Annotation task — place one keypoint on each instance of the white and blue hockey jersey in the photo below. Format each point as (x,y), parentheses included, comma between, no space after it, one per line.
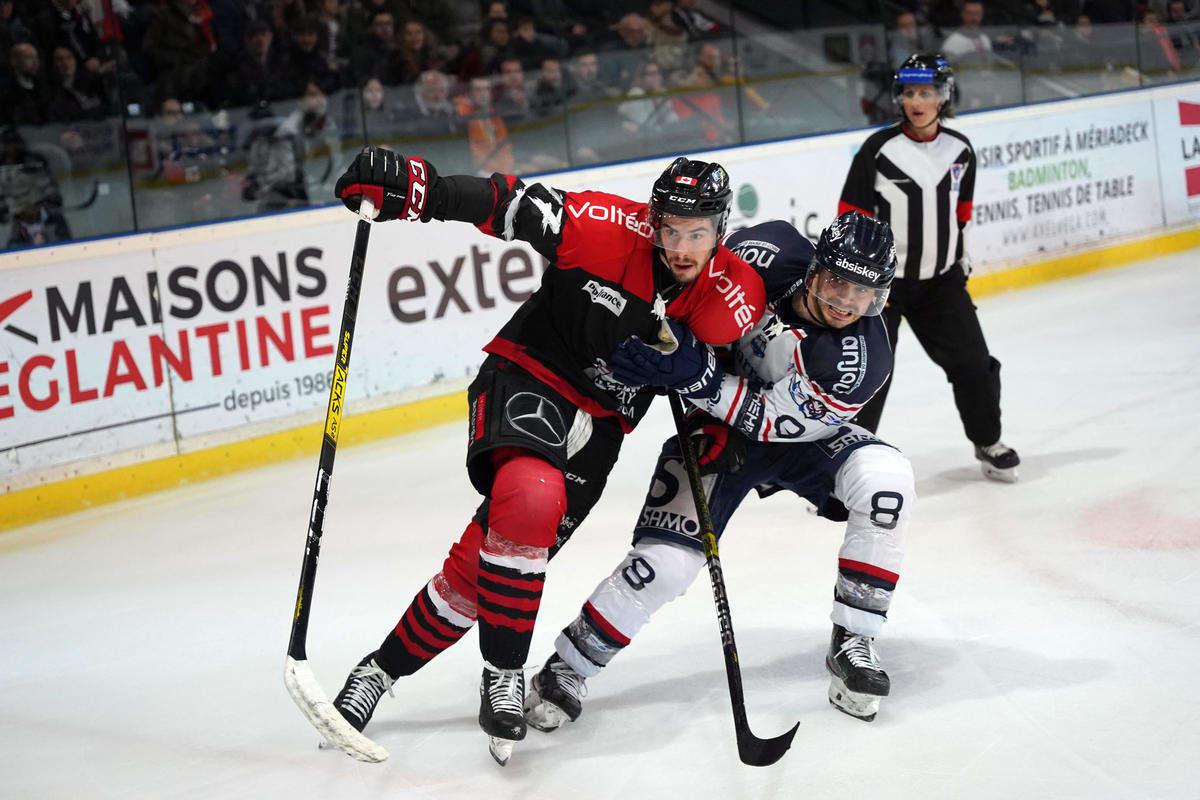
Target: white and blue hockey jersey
(800,382)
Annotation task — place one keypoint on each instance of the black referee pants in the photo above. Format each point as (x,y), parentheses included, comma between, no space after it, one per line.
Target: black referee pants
(943,318)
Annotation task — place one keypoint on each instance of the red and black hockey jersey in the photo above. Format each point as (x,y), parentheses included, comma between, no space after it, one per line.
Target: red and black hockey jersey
(605,284)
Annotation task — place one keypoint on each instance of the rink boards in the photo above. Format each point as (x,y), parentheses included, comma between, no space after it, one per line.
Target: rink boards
(133,363)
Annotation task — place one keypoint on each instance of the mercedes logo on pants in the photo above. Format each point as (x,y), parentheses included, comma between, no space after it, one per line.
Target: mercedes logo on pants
(536,416)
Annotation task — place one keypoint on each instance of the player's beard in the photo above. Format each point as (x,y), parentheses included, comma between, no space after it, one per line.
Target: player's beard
(685,269)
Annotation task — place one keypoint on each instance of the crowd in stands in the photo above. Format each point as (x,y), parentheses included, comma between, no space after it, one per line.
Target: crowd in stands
(267,94)
(1052,35)
(296,77)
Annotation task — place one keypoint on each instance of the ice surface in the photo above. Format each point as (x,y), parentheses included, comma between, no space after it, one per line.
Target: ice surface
(1043,640)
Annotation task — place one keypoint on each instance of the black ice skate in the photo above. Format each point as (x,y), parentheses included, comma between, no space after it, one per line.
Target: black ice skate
(858,679)
(364,687)
(998,461)
(501,697)
(555,696)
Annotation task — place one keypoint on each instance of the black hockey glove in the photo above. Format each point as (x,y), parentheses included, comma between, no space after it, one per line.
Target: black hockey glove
(398,186)
(689,367)
(721,449)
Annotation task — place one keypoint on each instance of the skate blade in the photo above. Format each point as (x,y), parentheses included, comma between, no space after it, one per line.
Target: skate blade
(545,717)
(997,474)
(501,749)
(856,704)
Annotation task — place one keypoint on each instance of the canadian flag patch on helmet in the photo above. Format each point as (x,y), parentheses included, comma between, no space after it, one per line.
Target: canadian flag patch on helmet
(685,180)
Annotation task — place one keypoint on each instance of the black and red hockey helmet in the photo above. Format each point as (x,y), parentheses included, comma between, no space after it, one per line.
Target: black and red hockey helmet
(690,188)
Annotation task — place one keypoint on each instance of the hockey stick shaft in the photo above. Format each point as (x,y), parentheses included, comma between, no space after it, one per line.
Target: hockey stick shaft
(329,438)
(751,749)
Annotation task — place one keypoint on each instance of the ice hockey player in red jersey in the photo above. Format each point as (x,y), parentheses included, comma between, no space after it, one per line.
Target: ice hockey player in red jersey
(546,416)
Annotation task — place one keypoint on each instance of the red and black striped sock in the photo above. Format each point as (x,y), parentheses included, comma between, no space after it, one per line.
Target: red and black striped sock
(510,591)
(430,625)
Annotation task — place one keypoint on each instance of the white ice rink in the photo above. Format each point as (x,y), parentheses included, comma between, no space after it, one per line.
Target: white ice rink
(1042,644)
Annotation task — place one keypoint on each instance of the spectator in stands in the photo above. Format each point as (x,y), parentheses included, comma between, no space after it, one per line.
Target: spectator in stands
(435,15)
(1039,13)
(305,61)
(487,135)
(74,96)
(651,112)
(497,46)
(372,116)
(261,71)
(667,39)
(511,99)
(182,146)
(585,74)
(907,38)
(1184,36)
(553,90)
(706,109)
(627,46)
(495,10)
(533,47)
(471,54)
(968,44)
(330,17)
(430,111)
(290,160)
(569,20)
(64,23)
(414,55)
(29,195)
(372,56)
(360,14)
(1156,52)
(26,95)
(694,22)
(178,45)
(274,164)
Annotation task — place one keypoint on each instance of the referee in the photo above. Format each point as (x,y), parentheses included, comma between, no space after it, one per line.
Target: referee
(919,176)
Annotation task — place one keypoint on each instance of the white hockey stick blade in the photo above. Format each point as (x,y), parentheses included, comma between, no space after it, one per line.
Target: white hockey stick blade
(312,701)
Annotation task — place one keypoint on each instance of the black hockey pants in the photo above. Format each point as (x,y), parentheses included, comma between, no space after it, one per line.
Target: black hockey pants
(943,318)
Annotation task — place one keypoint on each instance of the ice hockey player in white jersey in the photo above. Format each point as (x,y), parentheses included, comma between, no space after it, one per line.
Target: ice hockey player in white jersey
(777,418)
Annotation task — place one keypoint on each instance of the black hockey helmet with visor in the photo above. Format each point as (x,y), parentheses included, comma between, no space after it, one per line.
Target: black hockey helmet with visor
(926,69)
(779,253)
(694,190)
(854,265)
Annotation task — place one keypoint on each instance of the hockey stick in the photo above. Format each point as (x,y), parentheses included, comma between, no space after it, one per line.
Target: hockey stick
(752,750)
(301,684)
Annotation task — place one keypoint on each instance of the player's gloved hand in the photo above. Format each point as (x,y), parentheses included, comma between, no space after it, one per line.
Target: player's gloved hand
(720,448)
(398,186)
(689,367)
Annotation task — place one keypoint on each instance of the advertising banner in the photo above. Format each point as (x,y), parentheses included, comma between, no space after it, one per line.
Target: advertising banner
(1177,120)
(122,352)
(1057,179)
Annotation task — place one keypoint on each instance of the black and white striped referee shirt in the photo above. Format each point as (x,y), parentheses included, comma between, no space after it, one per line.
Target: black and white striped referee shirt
(922,189)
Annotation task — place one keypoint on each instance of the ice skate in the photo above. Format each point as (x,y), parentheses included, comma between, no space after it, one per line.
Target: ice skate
(998,461)
(555,696)
(501,697)
(858,680)
(364,687)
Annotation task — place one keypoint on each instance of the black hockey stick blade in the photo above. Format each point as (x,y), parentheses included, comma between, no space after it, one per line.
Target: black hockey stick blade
(763,752)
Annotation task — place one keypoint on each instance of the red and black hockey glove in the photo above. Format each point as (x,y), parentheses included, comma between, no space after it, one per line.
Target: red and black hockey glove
(398,186)
(720,448)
